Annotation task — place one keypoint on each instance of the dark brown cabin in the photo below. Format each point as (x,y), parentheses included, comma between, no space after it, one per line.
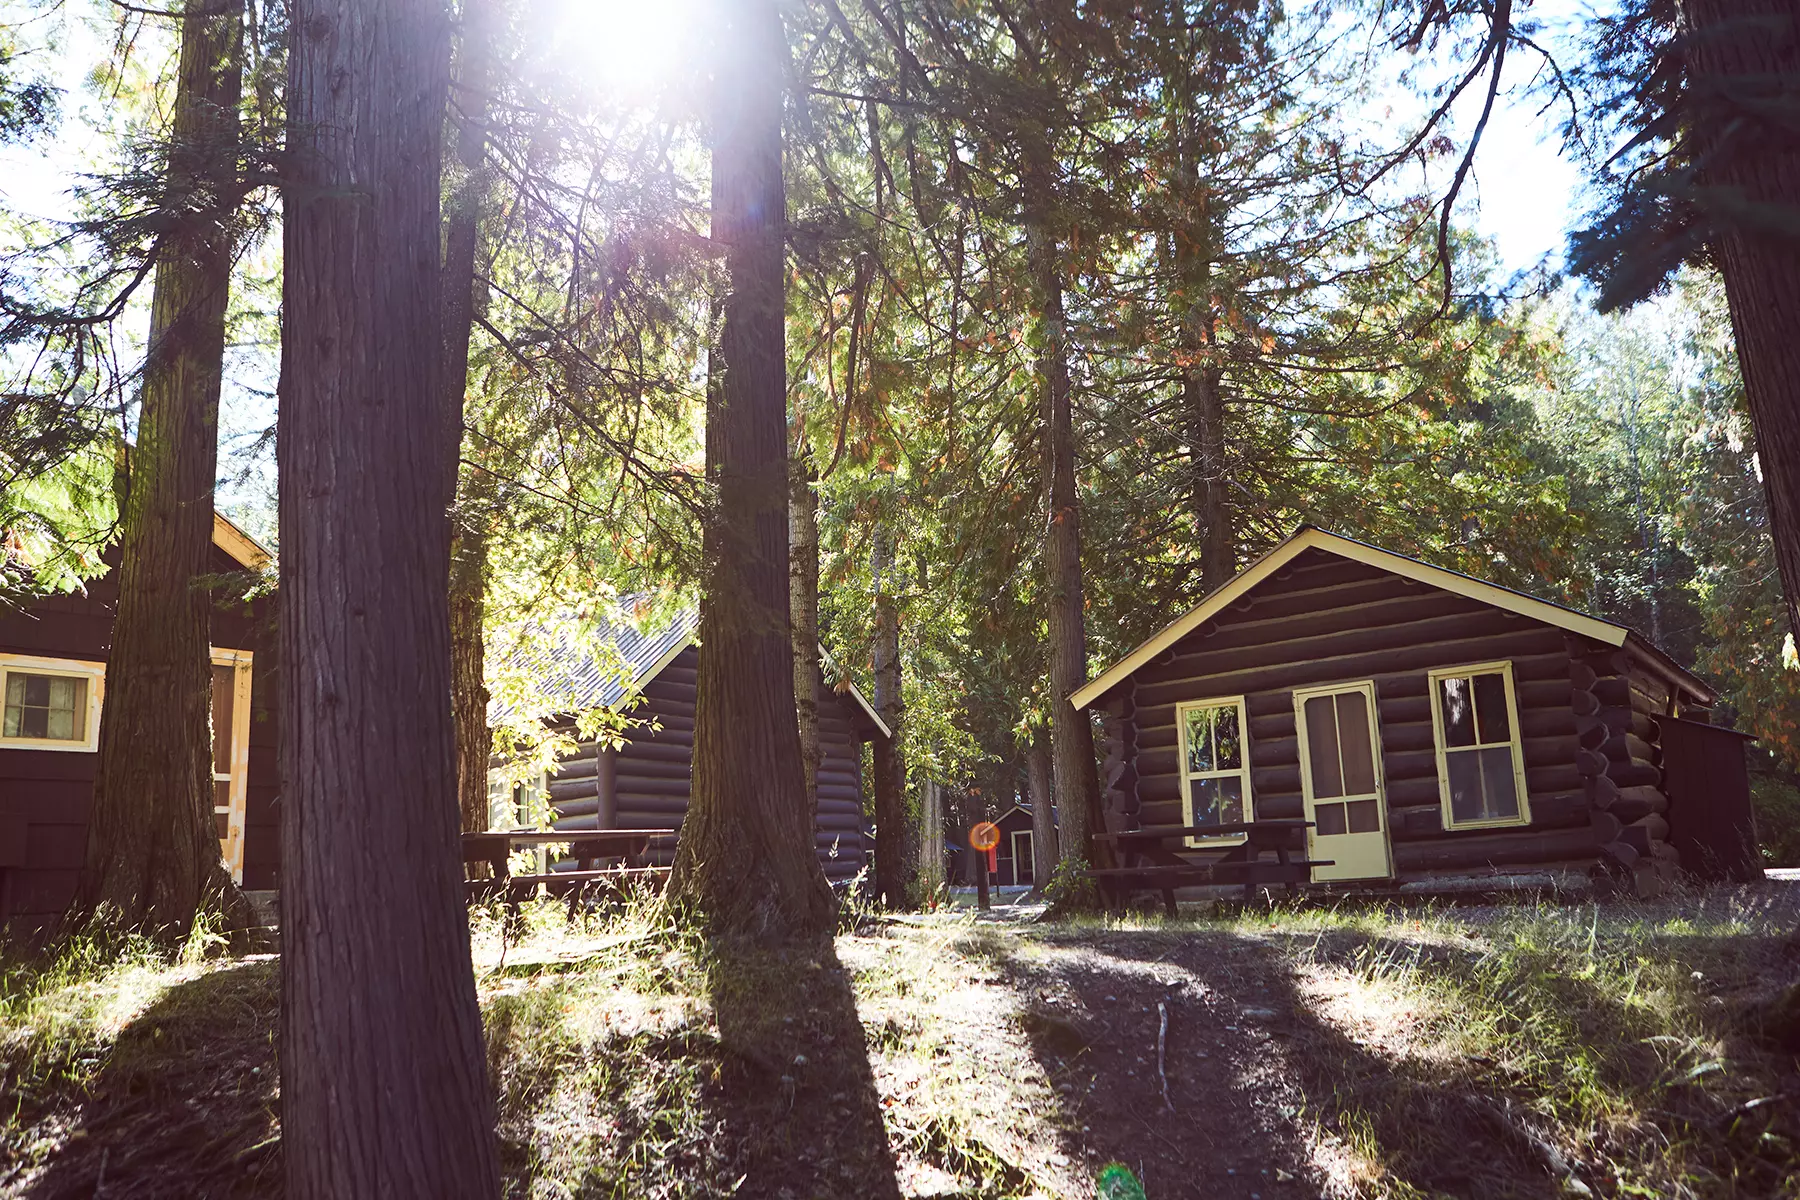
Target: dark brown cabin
(53,655)
(1429,724)
(646,783)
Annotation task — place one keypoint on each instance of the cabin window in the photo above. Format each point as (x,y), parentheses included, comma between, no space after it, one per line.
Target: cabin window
(1215,763)
(50,703)
(1481,770)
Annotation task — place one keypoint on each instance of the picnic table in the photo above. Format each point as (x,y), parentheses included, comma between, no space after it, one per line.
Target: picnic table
(587,846)
(1151,858)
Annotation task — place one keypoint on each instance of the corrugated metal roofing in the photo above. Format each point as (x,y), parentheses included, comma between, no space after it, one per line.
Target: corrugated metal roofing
(579,673)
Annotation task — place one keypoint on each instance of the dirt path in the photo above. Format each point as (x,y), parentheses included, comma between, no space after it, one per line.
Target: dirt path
(1055,1036)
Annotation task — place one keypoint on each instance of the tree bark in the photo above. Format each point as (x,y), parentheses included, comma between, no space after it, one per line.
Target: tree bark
(465,296)
(803,601)
(1202,372)
(1737,49)
(1076,784)
(153,854)
(894,866)
(383,1075)
(746,858)
(1044,852)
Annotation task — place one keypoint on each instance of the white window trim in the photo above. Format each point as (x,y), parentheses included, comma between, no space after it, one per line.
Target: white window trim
(232,848)
(1187,777)
(1505,670)
(94,672)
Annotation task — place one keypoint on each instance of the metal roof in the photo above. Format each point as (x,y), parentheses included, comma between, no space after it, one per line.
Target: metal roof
(576,679)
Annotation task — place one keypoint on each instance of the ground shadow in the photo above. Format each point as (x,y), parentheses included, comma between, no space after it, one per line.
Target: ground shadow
(796,1093)
(1248,1053)
(185,1105)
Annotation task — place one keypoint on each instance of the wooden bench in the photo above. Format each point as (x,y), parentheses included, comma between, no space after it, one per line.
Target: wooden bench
(1152,859)
(587,846)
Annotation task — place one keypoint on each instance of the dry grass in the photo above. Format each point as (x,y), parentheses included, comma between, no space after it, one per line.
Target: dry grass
(1481,1053)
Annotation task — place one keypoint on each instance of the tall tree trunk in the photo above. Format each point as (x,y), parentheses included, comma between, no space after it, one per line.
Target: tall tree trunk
(465,296)
(893,833)
(153,845)
(1044,852)
(383,1076)
(1750,50)
(746,857)
(931,838)
(1194,244)
(803,601)
(1077,787)
(1204,408)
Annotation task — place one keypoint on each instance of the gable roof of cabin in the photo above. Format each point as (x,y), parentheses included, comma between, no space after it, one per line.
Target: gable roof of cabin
(245,550)
(577,679)
(1308,537)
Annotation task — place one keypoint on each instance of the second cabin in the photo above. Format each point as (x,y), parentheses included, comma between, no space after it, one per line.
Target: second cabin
(645,784)
(1428,724)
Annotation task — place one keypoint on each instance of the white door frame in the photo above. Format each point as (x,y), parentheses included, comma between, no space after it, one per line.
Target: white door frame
(1029,849)
(1301,696)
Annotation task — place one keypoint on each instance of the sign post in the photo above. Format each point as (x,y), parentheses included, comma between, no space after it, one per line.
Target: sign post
(982,839)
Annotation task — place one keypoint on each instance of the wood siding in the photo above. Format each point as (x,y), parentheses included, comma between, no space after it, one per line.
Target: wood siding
(1322,620)
(651,775)
(53,789)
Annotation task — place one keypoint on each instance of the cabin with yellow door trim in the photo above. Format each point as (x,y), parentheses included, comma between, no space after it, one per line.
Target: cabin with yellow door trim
(1431,726)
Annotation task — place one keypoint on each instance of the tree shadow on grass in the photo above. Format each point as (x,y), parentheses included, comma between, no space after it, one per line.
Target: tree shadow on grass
(185,1105)
(796,1091)
(1252,1053)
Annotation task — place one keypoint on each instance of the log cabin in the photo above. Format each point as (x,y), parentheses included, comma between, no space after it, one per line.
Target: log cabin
(645,784)
(1433,727)
(53,656)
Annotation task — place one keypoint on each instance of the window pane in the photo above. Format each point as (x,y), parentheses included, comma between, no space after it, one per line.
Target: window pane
(1353,737)
(1322,748)
(1228,741)
(1455,705)
(1328,819)
(1490,706)
(224,683)
(1498,786)
(221,795)
(1199,739)
(1218,801)
(1465,787)
(53,707)
(1365,816)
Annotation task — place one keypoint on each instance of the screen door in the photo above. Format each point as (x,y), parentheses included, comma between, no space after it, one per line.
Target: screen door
(1340,769)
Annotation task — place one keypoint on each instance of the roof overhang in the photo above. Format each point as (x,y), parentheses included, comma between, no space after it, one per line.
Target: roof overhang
(693,639)
(245,550)
(1309,538)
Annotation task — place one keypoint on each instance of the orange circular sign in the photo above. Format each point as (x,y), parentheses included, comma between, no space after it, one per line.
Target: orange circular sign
(984,836)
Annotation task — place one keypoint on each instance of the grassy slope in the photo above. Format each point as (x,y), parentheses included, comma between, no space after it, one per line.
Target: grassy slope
(1611,1051)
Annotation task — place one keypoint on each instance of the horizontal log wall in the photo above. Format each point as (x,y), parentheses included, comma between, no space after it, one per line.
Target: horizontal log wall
(651,776)
(1326,620)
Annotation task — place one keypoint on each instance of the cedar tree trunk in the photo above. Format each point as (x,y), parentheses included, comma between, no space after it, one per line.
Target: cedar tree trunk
(1077,787)
(153,845)
(1202,373)
(465,296)
(893,837)
(1043,811)
(803,601)
(1749,51)
(746,858)
(384,1083)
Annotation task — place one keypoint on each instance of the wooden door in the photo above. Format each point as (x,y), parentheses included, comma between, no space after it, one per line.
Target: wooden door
(231,752)
(1021,856)
(1340,771)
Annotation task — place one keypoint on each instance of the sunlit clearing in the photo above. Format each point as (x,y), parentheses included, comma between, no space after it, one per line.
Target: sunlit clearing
(634,48)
